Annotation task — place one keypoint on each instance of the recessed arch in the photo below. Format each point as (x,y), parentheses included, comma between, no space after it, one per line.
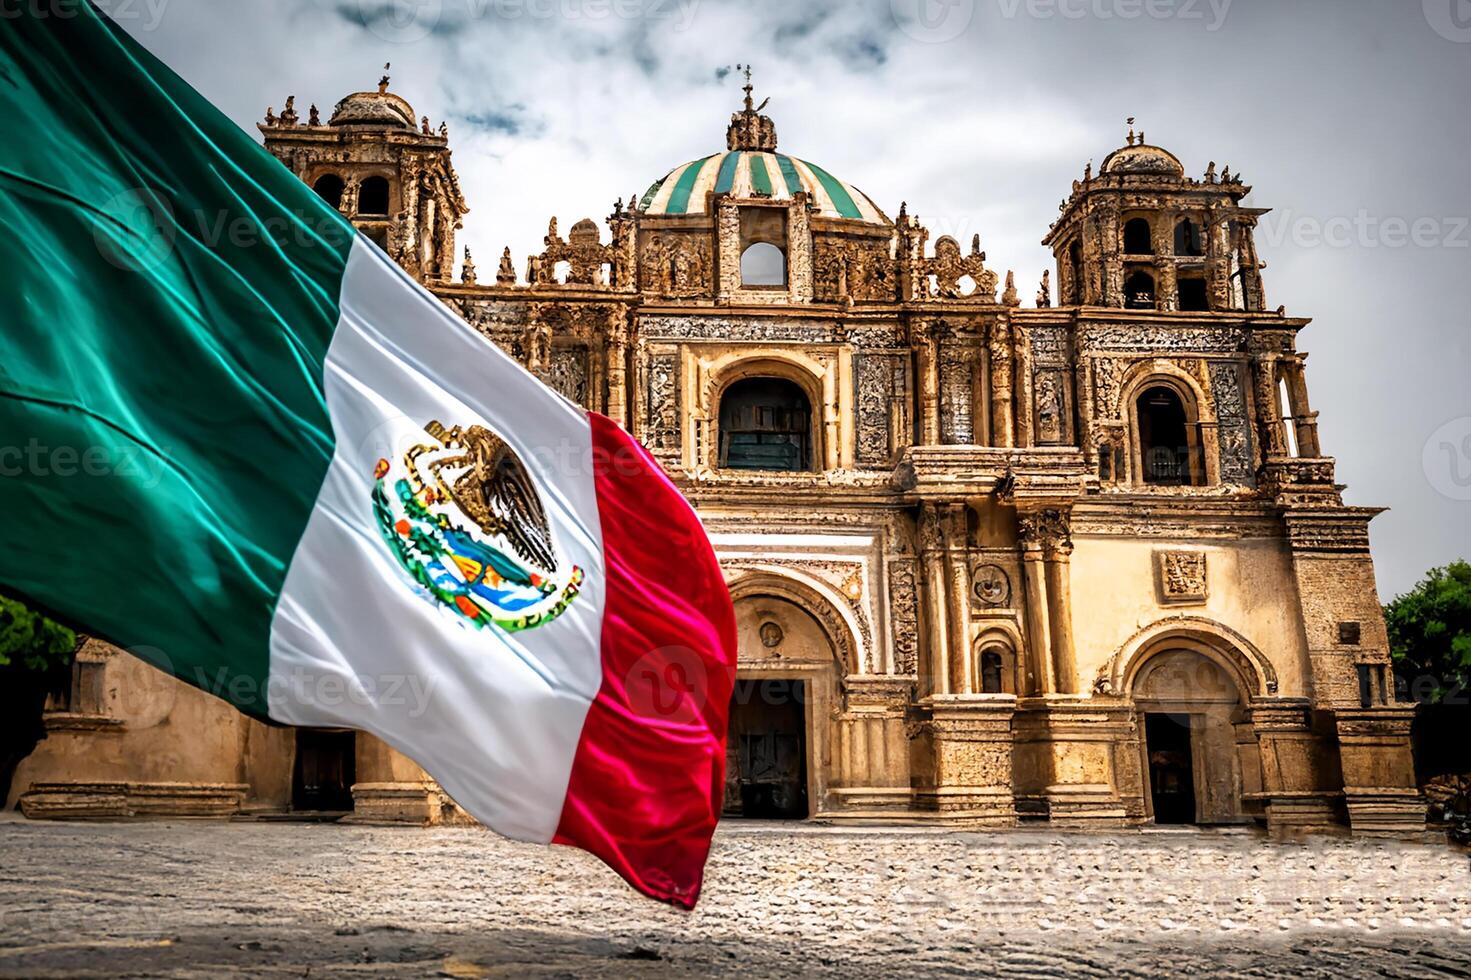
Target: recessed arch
(1251,668)
(329,187)
(763,265)
(765,423)
(813,596)
(1138,237)
(373,196)
(1201,442)
(805,374)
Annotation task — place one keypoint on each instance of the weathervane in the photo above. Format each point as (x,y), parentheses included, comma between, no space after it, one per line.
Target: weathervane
(1131,130)
(383,82)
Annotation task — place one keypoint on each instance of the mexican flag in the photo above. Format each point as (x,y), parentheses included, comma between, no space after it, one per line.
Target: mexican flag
(239,441)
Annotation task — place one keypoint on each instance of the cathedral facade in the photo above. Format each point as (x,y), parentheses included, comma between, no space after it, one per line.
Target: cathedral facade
(1081,561)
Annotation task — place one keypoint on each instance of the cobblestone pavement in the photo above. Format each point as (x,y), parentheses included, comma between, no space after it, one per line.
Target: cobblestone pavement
(193,899)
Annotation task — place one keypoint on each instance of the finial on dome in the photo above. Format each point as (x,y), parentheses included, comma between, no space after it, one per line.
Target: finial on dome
(383,82)
(1131,131)
(749,130)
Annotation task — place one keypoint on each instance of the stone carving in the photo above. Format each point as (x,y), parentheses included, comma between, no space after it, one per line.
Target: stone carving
(506,274)
(1049,345)
(663,413)
(467,268)
(904,609)
(583,251)
(949,267)
(771,635)
(567,374)
(675,265)
(879,380)
(957,387)
(1182,576)
(1048,530)
(1177,339)
(1047,391)
(1044,292)
(1234,428)
(847,269)
(990,586)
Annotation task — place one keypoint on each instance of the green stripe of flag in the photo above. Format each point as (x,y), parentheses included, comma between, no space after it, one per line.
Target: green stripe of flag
(842,200)
(726,179)
(679,200)
(170,291)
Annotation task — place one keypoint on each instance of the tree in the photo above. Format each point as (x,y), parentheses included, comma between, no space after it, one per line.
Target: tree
(35,660)
(1430,634)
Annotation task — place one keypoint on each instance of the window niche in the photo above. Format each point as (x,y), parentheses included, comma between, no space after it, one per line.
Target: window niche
(329,187)
(766,424)
(373,197)
(763,248)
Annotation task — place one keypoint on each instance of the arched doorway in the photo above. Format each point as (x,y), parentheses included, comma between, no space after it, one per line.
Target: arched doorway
(1190,709)
(786,675)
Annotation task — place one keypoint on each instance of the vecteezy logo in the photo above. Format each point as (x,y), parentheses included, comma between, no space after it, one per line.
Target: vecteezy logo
(1447,459)
(933,21)
(400,21)
(464,520)
(135,230)
(1451,19)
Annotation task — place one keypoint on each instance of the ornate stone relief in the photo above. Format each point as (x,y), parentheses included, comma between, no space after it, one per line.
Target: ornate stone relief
(990,586)
(662,423)
(1234,427)
(567,373)
(879,380)
(1051,406)
(676,265)
(853,269)
(957,387)
(1182,577)
(583,251)
(1208,340)
(904,612)
(949,267)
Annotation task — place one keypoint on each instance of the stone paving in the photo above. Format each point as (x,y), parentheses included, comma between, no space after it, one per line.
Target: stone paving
(197,899)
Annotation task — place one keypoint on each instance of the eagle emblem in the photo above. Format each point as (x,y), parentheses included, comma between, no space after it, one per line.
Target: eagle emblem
(462,516)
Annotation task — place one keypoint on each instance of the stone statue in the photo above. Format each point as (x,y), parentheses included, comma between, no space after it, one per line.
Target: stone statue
(506,274)
(1044,294)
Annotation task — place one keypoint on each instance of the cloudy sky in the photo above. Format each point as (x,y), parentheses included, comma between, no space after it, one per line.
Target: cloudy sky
(1348,116)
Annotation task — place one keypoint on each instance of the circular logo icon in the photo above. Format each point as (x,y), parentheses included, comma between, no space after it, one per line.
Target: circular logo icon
(933,21)
(670,684)
(1447,459)
(401,21)
(136,231)
(1451,19)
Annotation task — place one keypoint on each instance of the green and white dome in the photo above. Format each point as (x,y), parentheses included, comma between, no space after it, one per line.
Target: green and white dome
(752,173)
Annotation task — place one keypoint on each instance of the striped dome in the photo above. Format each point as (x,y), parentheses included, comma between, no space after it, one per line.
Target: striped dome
(749,173)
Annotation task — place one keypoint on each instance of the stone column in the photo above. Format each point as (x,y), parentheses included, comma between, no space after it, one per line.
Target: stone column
(1057,557)
(1003,423)
(1294,796)
(960,662)
(1272,436)
(926,347)
(1304,419)
(1039,630)
(1022,401)
(616,351)
(935,676)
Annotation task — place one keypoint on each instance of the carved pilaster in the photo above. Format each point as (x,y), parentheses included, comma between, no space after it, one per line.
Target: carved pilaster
(1003,422)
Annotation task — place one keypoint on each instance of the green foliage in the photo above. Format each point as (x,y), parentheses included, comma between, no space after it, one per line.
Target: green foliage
(30,641)
(1430,630)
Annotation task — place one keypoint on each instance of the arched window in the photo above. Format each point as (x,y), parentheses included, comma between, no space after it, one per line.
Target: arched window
(763,264)
(1167,444)
(329,188)
(1139,292)
(1188,241)
(992,665)
(373,196)
(1138,239)
(1075,260)
(765,424)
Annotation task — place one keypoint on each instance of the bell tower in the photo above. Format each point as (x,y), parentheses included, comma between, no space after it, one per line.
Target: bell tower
(392,178)
(1141,235)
